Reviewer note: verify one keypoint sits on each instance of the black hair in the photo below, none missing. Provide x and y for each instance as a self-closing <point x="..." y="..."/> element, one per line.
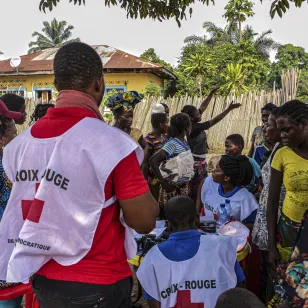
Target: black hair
<point x="237" y="139"/>
<point x="274" y="112"/>
<point x="40" y="111"/>
<point x="179" y="123"/>
<point x="4" y="124"/>
<point x="269" y="107"/>
<point x="158" y="118"/>
<point x="181" y="211"/>
<point x="118" y="111"/>
<point x="295" y="111"/>
<point x="240" y="298"/>
<point x="189" y="109"/>
<point x="165" y="105"/>
<point x="76" y="65"/>
<point x="13" y="102"/>
<point x="237" y="168"/>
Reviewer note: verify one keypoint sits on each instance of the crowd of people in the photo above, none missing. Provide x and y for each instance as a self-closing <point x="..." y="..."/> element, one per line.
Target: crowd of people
<point x="75" y="191"/>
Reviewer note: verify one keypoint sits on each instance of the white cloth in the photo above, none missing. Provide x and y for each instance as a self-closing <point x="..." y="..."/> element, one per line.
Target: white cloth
<point x="71" y="171"/>
<point x="242" y="202"/>
<point x="181" y="167"/>
<point x="200" y="279"/>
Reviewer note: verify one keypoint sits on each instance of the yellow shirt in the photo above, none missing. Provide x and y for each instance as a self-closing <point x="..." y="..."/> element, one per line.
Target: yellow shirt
<point x="295" y="180"/>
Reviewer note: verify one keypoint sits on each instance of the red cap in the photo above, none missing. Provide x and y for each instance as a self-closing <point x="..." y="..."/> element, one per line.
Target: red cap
<point x="4" y="111"/>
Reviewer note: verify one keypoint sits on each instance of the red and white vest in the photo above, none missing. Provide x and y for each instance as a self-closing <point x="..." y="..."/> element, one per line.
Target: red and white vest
<point x="58" y="195"/>
<point x="196" y="282"/>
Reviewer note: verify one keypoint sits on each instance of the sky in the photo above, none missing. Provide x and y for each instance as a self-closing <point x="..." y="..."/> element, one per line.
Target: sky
<point x="96" y="24"/>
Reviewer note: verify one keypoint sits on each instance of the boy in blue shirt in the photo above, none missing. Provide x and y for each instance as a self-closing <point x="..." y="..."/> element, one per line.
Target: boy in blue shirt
<point x="184" y="241"/>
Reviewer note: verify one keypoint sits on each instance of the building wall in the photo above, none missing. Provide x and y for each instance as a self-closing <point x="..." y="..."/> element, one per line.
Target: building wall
<point x="123" y="81"/>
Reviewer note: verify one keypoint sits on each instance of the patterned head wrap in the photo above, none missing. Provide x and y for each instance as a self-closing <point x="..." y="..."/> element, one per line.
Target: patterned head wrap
<point x="127" y="100"/>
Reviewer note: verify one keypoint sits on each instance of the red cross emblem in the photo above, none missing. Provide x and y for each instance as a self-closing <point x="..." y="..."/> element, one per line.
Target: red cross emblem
<point x="32" y="209"/>
<point x="183" y="300"/>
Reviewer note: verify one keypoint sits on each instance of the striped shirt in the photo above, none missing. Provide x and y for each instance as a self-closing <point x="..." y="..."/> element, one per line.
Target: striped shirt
<point x="175" y="146"/>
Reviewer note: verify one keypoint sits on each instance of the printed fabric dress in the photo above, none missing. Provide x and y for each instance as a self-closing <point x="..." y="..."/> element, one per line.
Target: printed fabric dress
<point x="5" y="191"/>
<point x="259" y="232"/>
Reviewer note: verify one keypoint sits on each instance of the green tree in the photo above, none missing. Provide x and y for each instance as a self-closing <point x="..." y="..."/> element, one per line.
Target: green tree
<point x="199" y="65"/>
<point x="161" y="10"/>
<point x="151" y="55"/>
<point x="215" y="35"/>
<point x="54" y="34"/>
<point x="239" y="11"/>
<point x="152" y="89"/>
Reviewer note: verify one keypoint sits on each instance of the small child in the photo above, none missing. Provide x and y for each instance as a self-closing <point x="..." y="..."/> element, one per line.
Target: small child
<point x="188" y="267"/>
<point x="234" y="146"/>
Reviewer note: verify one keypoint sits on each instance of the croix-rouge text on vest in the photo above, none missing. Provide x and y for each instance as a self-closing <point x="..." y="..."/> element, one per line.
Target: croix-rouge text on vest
<point x="189" y="285"/>
<point x="49" y="175"/>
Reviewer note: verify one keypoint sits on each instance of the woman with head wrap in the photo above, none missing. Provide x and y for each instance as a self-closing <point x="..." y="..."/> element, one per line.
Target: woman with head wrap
<point x="122" y="107"/>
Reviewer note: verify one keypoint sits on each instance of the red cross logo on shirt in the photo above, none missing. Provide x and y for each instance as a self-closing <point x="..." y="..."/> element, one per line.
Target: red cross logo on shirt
<point x="32" y="209"/>
<point x="183" y="300"/>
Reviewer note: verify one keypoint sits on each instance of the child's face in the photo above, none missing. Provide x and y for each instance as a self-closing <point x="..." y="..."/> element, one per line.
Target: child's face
<point x="232" y="149"/>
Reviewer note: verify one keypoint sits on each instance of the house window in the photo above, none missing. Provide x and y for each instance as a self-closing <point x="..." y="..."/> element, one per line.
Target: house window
<point x="120" y="89"/>
<point x="17" y="91"/>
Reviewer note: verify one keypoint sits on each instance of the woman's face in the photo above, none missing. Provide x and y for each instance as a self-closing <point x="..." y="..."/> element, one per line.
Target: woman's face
<point x="272" y="133"/>
<point x="165" y="126"/>
<point x="24" y="115"/>
<point x="125" y="120"/>
<point x="196" y="116"/>
<point x="218" y="175"/>
<point x="264" y="115"/>
<point x="292" y="135"/>
<point x="10" y="133"/>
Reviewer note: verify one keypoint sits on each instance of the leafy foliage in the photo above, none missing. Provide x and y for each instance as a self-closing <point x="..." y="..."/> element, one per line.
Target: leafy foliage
<point x="234" y="79"/>
<point x="55" y="34"/>
<point x="161" y="10"/>
<point x="152" y="89"/>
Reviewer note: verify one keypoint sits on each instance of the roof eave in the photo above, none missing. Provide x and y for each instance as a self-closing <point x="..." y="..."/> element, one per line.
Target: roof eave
<point x="25" y="73"/>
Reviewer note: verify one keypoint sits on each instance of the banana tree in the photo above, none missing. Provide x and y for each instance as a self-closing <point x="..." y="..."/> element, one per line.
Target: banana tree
<point x="234" y="80"/>
<point x="198" y="65"/>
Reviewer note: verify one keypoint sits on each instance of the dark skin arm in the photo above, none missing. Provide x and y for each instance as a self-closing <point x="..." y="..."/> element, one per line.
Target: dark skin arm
<point x="251" y="151"/>
<point x="145" y="164"/>
<point x="199" y="202"/>
<point x="140" y="213"/>
<point x="208" y="124"/>
<point x="155" y="162"/>
<point x="153" y="304"/>
<point x="222" y="115"/>
<point x="207" y="101"/>
<point x="272" y="212"/>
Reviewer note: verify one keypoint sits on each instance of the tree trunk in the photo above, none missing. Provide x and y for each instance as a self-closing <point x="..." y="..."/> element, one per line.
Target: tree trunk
<point x="199" y="83"/>
<point x="240" y="29"/>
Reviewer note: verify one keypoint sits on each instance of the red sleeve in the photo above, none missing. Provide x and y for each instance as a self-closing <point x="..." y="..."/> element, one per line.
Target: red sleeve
<point x="128" y="181"/>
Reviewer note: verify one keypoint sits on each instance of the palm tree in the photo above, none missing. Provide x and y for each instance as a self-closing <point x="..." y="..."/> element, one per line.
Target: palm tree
<point x="234" y="80"/>
<point x="231" y="34"/>
<point x="198" y="65"/>
<point x="55" y="34"/>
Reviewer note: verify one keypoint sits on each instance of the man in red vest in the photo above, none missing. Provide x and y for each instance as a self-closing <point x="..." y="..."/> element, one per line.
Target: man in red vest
<point x="102" y="277"/>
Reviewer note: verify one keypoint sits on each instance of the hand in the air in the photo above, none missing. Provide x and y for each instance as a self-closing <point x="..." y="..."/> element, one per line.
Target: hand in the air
<point x="234" y="105"/>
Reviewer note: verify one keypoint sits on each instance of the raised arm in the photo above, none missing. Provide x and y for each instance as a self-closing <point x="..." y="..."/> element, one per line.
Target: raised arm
<point x="207" y="101"/>
<point x="272" y="214"/>
<point x="222" y="115"/>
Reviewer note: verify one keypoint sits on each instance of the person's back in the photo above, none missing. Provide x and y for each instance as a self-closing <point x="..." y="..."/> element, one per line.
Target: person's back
<point x="188" y="267"/>
<point x="92" y="171"/>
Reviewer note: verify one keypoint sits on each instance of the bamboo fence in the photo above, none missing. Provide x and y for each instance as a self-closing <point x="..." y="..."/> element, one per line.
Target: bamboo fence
<point x="242" y="120"/>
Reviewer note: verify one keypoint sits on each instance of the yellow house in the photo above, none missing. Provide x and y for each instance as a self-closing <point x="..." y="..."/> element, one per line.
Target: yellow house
<point x="33" y="76"/>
